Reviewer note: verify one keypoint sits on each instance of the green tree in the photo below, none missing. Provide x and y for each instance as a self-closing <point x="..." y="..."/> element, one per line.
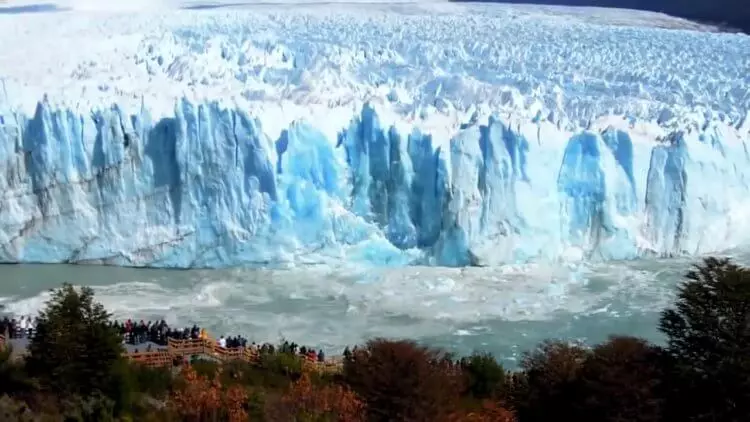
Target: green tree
<point x="485" y="376"/>
<point x="708" y="337"/>
<point x="75" y="351"/>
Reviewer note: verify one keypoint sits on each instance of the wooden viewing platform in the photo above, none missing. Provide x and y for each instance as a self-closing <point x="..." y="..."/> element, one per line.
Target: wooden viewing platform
<point x="161" y="356"/>
<point x="165" y="356"/>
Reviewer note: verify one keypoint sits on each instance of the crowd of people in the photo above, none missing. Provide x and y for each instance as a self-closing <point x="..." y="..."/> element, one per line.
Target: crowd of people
<point x="23" y="327"/>
<point x="159" y="333"/>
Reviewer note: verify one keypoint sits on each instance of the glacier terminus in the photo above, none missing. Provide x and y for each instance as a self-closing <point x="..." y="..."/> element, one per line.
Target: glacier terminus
<point x="250" y="138"/>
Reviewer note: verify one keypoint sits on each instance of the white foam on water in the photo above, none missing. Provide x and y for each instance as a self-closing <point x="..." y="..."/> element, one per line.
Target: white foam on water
<point x="329" y="309"/>
<point x="505" y="310"/>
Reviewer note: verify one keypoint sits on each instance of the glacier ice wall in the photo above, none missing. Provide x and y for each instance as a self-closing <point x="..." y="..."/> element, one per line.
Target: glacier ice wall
<point x="207" y="187"/>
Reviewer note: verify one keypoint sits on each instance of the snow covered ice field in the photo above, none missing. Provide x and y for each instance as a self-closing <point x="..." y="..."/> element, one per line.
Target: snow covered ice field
<point x="361" y="149"/>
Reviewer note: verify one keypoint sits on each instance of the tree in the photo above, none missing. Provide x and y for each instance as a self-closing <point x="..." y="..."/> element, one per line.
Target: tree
<point x="546" y="387"/>
<point x="202" y="399"/>
<point x="400" y="380"/>
<point x="75" y="350"/>
<point x="621" y="381"/>
<point x="308" y="403"/>
<point x="485" y="376"/>
<point x="489" y="412"/>
<point x="708" y="338"/>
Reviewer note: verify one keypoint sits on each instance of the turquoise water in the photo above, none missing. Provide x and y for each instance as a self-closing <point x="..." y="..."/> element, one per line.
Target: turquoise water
<point x="504" y="310"/>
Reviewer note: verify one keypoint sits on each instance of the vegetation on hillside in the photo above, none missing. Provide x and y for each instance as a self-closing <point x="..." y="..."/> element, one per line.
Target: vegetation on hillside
<point x="75" y="371"/>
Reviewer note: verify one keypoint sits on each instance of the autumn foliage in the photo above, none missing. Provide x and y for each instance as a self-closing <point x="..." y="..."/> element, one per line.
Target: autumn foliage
<point x="489" y="412"/>
<point x="309" y="403"/>
<point x="400" y="380"/>
<point x="621" y="381"/>
<point x="545" y="389"/>
<point x="202" y="399"/>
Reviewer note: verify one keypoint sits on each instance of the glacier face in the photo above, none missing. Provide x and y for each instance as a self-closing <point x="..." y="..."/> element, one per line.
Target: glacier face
<point x="412" y="134"/>
<point x="207" y="187"/>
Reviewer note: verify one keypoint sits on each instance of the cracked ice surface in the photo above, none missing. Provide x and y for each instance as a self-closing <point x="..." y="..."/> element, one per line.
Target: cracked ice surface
<point x="452" y="135"/>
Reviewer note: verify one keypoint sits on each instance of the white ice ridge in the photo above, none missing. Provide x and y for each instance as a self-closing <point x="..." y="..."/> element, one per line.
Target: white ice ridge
<point x="267" y="137"/>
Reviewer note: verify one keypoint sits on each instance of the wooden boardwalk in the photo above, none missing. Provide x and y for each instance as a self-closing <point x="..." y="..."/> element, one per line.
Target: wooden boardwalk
<point x="161" y="357"/>
<point x="179" y="349"/>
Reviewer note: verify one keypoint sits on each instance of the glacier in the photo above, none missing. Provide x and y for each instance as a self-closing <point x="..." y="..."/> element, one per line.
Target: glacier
<point x="208" y="188"/>
<point x="422" y="134"/>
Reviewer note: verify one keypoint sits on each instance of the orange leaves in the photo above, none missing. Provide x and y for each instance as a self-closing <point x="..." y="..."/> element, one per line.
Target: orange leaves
<point x="490" y="412"/>
<point x="234" y="404"/>
<point x="401" y="380"/>
<point x="202" y="399"/>
<point x="307" y="402"/>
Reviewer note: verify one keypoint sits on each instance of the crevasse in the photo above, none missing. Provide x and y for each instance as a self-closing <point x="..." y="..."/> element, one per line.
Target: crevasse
<point x="208" y="188"/>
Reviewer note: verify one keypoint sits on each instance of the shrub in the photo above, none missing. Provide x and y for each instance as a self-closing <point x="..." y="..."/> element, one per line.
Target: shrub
<point x="287" y="364"/>
<point x="205" y="367"/>
<point x="485" y="376"/>
<point x="489" y="412"/>
<point x="621" y="381"/>
<point x="75" y="350"/>
<point x="157" y="382"/>
<point x="708" y="338"/>
<point x="306" y="402"/>
<point x="546" y="387"/>
<point x="251" y="375"/>
<point x="12" y="410"/>
<point x="91" y="408"/>
<point x="400" y="380"/>
<point x="13" y="378"/>
<point x="201" y="399"/>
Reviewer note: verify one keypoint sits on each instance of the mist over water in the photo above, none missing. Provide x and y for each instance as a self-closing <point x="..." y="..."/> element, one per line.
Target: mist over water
<point x="505" y="310"/>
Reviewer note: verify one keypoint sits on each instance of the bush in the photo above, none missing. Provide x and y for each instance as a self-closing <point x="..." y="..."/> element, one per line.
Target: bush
<point x="271" y="377"/>
<point x="286" y="364"/>
<point x="205" y="367"/>
<point x="204" y="399"/>
<point x="13" y="378"/>
<point x="92" y="408"/>
<point x="157" y="382"/>
<point x="306" y="402"/>
<point x="489" y="412"/>
<point x="400" y="380"/>
<point x="621" y="381"/>
<point x="546" y="387"/>
<point x="75" y="350"/>
<point x="12" y="410"/>
<point x="485" y="376"/>
<point x="708" y="338"/>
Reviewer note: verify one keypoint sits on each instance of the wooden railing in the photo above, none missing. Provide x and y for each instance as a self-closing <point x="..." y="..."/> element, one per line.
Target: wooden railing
<point x="188" y="347"/>
<point x="164" y="357"/>
<point x="153" y="359"/>
<point x="199" y="347"/>
<point x="193" y="347"/>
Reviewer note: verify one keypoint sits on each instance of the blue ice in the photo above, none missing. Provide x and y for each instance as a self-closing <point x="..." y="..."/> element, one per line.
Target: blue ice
<point x="207" y="187"/>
